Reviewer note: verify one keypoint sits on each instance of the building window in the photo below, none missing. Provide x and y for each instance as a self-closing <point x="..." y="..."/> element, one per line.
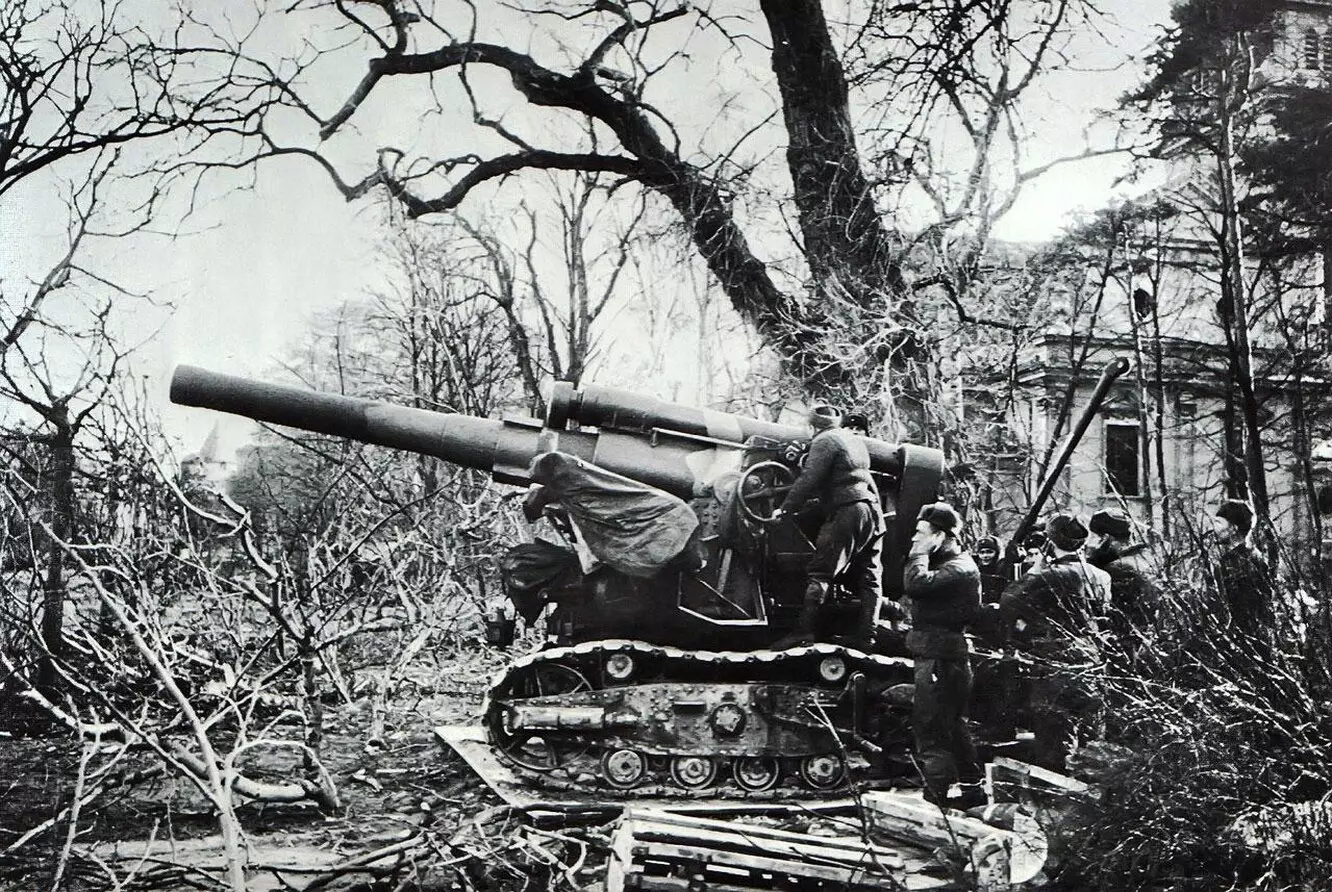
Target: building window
<point x="1122" y="462"/>
<point x="1325" y="499"/>
<point x="1311" y="50"/>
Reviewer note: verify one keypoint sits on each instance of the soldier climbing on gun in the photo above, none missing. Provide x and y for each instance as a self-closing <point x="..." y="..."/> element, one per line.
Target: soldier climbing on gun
<point x="849" y="542"/>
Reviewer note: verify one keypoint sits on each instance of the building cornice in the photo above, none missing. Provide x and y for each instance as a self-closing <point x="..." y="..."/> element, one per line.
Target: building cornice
<point x="1047" y="362"/>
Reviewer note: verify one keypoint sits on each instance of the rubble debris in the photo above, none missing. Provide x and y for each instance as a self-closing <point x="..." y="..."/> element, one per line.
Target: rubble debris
<point x="1014" y="781"/>
<point x="658" y="850"/>
<point x="1002" y="847"/>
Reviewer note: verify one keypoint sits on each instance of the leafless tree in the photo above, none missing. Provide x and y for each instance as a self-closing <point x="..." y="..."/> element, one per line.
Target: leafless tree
<point x="59" y="360"/>
<point x="617" y="71"/>
<point x="80" y="78"/>
<point x="175" y="668"/>
<point x="364" y="544"/>
<point x="1047" y="313"/>
<point x="83" y="86"/>
<point x="1201" y="100"/>
<point x="557" y="302"/>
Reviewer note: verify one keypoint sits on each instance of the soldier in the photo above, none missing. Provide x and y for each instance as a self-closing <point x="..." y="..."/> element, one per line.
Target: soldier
<point x="1243" y="580"/>
<point x="991" y="676"/>
<point x="856" y="423"/>
<point x="944" y="586"/>
<point x="1133" y="599"/>
<point x="987" y="553"/>
<point x="1051" y="618"/>
<point x="850" y="539"/>
<point x="1031" y="547"/>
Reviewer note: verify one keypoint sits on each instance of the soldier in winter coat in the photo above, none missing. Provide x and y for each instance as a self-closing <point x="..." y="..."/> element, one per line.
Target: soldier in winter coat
<point x="1243" y="580"/>
<point x="1133" y="596"/>
<point x="1053" y="616"/>
<point x="850" y="541"/>
<point x="944" y="586"/>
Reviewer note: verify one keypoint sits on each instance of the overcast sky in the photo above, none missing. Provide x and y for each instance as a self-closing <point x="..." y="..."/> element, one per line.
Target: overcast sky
<point x="258" y="263"/>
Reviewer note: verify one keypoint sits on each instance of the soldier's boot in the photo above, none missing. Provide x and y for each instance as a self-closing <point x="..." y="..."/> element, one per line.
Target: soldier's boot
<point x="867" y="620"/>
<point x="808" y="622"/>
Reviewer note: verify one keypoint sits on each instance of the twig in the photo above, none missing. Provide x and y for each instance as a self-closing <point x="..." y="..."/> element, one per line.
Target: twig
<point x="80" y="782"/>
<point x="362" y="862"/>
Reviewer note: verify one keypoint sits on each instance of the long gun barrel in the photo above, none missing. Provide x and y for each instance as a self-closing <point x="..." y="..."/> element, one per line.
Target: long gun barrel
<point x="672" y="447"/>
<point x="1113" y="369"/>
<point x="610" y="408"/>
<point x="504" y="448"/>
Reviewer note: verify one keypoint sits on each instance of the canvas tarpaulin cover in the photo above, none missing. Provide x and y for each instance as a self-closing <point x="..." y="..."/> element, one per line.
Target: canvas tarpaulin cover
<point x="529" y="569"/>
<point x="629" y="526"/>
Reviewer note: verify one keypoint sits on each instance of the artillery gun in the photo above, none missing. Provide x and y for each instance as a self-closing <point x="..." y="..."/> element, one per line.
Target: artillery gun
<point x="668" y="676"/>
<point x="673" y="680"/>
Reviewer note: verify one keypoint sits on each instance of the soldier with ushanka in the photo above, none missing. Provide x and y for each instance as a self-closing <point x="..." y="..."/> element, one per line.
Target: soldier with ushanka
<point x="944" y="586"/>
<point x="1052" y="617"/>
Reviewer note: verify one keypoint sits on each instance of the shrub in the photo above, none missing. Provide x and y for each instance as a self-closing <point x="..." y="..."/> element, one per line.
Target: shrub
<point x="1218" y="730"/>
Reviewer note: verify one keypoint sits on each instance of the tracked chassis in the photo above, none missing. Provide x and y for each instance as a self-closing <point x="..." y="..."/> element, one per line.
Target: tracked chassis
<point x="631" y="719"/>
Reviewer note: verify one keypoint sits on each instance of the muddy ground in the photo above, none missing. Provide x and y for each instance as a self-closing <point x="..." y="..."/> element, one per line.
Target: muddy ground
<point x="413" y="798"/>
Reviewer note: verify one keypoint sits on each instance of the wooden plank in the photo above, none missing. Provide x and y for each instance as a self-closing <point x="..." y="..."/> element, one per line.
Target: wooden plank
<point x="621" y="860"/>
<point x="804" y="869"/>
<point x="1007" y="774"/>
<point x="649" y="883"/>
<point x="918" y="822"/>
<point x="1024" y="848"/>
<point x="659" y="822"/>
<point x="725" y="854"/>
<point x="623" y="875"/>
<point x="709" y="883"/>
<point x="807" y="853"/>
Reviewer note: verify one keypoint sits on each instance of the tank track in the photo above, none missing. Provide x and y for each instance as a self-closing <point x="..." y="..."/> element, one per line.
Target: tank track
<point x="624" y="718"/>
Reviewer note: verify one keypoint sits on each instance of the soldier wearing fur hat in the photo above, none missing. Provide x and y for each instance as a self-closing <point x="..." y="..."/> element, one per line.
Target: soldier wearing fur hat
<point x="989" y="555"/>
<point x="1243" y="580"/>
<point x="850" y="540"/>
<point x="1052" y="618"/>
<point x="1133" y="597"/>
<point x="856" y="423"/>
<point x="944" y="586"/>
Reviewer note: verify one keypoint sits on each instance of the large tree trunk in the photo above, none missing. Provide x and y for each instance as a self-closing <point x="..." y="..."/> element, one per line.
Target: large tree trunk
<point x="1233" y="297"/>
<point x="845" y="241"/>
<point x="853" y="261"/>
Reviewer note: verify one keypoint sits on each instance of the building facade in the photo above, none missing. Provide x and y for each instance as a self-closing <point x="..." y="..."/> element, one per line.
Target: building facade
<point x="1157" y="449"/>
<point x="1169" y="442"/>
